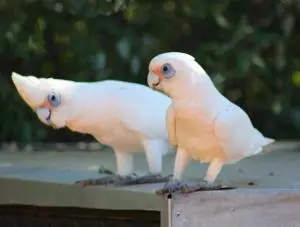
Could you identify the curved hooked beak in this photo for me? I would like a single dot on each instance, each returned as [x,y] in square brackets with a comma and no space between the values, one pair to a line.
[153,80]
[44,113]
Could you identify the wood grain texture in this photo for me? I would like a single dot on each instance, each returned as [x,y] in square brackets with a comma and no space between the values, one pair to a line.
[238,208]
[20,215]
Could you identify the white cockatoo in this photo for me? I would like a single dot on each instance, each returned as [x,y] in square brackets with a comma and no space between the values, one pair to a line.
[201,122]
[128,117]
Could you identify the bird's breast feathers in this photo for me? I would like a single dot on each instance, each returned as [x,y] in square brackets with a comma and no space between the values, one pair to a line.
[195,133]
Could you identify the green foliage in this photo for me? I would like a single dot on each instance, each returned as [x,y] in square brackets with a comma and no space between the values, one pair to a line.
[250,49]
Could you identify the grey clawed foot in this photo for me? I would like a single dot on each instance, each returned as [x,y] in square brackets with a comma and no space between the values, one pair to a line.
[175,186]
[147,179]
[113,179]
[125,180]
[171,187]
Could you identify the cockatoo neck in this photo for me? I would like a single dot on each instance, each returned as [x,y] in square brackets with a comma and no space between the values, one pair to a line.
[192,86]
[201,93]
[82,111]
[78,108]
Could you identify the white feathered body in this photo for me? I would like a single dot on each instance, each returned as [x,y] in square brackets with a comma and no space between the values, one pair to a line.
[223,131]
[203,123]
[119,114]
[128,117]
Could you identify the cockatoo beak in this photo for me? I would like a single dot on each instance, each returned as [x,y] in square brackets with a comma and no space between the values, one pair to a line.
[29,88]
[153,80]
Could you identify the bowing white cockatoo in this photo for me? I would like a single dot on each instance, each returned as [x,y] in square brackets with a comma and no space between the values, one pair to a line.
[128,117]
[201,122]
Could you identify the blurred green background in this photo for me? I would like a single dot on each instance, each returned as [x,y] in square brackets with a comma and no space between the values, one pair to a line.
[250,48]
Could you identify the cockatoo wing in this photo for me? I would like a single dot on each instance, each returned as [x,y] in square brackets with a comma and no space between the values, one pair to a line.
[236,133]
[171,126]
[146,111]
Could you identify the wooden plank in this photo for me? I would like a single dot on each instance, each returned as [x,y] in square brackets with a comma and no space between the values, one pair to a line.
[29,192]
[20,215]
[29,185]
[47,179]
[79,213]
[237,208]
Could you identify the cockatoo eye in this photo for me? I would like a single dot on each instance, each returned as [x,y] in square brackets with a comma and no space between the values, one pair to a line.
[167,70]
[54,99]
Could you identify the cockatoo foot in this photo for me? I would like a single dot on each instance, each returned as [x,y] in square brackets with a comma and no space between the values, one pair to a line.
[171,187]
[147,179]
[175,186]
[113,179]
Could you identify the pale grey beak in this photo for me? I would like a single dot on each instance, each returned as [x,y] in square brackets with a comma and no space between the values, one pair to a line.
[152,80]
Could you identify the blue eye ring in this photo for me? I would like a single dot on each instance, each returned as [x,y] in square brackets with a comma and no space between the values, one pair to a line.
[167,70]
[54,99]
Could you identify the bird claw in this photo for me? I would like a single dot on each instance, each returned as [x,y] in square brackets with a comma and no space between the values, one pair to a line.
[176,186]
[104,181]
[171,187]
[124,180]
[97,181]
[147,179]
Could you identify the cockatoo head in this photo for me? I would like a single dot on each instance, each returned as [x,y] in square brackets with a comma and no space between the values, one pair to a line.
[173,70]
[48,97]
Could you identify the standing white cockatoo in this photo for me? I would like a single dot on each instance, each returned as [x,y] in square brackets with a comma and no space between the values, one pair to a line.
[201,122]
[126,116]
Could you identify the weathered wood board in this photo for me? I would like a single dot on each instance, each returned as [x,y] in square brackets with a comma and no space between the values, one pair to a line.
[238,208]
[268,191]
